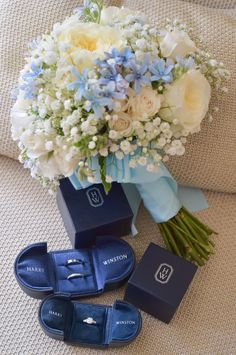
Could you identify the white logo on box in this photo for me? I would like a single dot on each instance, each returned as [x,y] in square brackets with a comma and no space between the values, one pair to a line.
[115,259]
[163,273]
[95,197]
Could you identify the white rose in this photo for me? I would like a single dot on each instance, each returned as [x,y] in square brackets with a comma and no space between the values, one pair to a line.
[20,119]
[122,124]
[176,43]
[188,100]
[56,165]
[47,167]
[112,14]
[66,166]
[144,105]
[34,143]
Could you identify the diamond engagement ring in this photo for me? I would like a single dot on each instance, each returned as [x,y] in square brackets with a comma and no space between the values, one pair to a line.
[89,320]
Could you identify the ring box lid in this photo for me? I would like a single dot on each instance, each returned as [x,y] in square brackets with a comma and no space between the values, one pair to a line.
[89,324]
[160,282]
[90,212]
[105,266]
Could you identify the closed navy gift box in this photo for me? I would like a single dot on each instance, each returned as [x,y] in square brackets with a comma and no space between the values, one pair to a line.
[159,282]
[89,324]
[84,272]
[89,213]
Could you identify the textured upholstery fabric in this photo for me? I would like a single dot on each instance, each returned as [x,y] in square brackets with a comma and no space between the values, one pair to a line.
[219,4]
[210,161]
[205,322]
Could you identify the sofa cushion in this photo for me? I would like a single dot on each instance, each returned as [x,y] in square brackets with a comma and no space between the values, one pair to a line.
[210,159]
[204,323]
[219,4]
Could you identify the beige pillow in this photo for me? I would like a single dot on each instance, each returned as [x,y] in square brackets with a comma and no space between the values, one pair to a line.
[210,161]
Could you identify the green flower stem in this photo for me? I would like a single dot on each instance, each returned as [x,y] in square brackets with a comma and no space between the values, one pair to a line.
[196,236]
[171,240]
[202,253]
[165,239]
[188,237]
[190,250]
[201,233]
[208,230]
[175,227]
[212,243]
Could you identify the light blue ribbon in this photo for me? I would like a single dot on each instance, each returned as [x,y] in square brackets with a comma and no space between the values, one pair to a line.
[158,190]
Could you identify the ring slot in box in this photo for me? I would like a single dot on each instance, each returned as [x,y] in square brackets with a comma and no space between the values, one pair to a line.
[89,213]
[89,324]
[79,273]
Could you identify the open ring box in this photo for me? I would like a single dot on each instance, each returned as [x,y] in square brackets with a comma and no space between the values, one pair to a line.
[89,324]
[83,272]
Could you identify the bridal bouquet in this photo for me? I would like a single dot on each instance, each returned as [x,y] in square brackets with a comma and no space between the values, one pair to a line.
[108,96]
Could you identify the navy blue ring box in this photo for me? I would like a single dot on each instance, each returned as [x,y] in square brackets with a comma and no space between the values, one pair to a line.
[89,324]
[77,272]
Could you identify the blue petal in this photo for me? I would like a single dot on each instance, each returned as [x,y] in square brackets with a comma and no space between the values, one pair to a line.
[130,77]
[155,78]
[146,80]
[97,111]
[137,86]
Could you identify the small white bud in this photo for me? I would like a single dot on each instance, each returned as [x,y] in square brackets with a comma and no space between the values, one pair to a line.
[92,145]
[49,146]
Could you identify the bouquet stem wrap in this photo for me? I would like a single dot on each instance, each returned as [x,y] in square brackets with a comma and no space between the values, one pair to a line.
[183,234]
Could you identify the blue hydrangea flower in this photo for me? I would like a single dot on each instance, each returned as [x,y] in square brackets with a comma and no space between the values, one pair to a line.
[120,58]
[96,102]
[108,74]
[101,63]
[80,84]
[187,63]
[29,89]
[137,75]
[29,86]
[112,75]
[121,85]
[88,5]
[34,72]
[161,70]
[109,91]
[14,93]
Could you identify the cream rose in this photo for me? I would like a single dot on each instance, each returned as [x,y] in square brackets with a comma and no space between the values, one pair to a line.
[85,42]
[187,100]
[144,105]
[122,124]
[176,43]
[113,14]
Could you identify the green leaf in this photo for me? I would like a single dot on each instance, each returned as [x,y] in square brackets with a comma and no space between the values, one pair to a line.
[102,164]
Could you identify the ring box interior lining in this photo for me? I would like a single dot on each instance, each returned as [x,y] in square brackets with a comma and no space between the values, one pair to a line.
[63,319]
[105,266]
